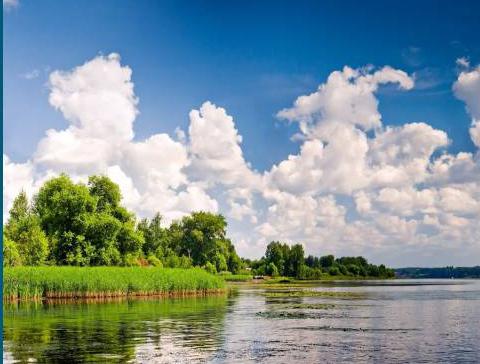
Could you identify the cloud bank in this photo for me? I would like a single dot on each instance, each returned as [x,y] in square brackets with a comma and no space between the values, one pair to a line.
[356,186]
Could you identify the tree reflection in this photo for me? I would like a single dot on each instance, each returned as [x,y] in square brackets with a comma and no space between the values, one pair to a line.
[113,331]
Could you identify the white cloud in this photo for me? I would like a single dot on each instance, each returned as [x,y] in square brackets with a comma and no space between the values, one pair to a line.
[347,97]
[463,62]
[98,101]
[355,186]
[467,89]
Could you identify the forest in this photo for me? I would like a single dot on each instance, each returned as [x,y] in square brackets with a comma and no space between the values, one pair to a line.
[77,224]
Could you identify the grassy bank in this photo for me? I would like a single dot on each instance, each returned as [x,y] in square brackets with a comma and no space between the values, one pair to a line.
[23,283]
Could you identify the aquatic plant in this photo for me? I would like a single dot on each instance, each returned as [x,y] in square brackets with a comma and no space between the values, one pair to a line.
[90,282]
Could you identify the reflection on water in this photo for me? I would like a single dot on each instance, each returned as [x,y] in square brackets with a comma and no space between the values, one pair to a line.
[151,330]
[383,322]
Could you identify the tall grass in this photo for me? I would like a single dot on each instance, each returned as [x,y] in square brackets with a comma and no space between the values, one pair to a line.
[237,277]
[96,282]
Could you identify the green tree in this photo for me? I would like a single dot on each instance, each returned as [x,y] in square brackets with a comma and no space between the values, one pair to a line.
[105,191]
[275,254]
[220,262]
[200,236]
[24,230]
[11,256]
[156,237]
[327,261]
[296,259]
[272,269]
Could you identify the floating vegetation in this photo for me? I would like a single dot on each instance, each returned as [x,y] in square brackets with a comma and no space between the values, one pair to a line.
[283,315]
[354,329]
[310,306]
[299,314]
[311,293]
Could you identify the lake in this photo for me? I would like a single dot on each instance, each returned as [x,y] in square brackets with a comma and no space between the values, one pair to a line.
[400,321]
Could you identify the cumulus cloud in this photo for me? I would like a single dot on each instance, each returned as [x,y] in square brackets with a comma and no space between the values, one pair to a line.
[98,101]
[356,186]
[467,89]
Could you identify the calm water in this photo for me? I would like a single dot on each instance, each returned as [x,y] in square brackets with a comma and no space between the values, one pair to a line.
[381,322]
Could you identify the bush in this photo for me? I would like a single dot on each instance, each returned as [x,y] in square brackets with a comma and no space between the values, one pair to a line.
[272,269]
[334,271]
[343,269]
[210,268]
[130,260]
[153,260]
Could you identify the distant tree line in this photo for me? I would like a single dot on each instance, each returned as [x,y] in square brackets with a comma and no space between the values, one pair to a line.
[80,224]
[443,272]
[283,260]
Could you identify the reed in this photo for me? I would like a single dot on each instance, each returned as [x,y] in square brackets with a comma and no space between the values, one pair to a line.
[237,278]
[26,283]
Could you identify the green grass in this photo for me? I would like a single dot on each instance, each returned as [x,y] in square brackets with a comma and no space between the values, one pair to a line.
[96,282]
[237,278]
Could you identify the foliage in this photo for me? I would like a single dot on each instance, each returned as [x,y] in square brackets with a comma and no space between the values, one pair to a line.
[11,256]
[210,268]
[282,259]
[25,235]
[272,269]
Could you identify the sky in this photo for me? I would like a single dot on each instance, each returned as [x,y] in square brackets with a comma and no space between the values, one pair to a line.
[352,130]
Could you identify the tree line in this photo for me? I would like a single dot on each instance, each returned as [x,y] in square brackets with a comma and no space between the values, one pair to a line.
[81,224]
[440,272]
[280,259]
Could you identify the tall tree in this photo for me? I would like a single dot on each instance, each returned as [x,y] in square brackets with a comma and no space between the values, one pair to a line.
[25,233]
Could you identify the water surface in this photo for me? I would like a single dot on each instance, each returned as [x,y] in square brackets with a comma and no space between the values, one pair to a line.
[402,321]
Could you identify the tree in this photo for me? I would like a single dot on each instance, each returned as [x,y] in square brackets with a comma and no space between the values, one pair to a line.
[327,261]
[200,236]
[11,256]
[312,262]
[220,262]
[333,271]
[61,205]
[86,224]
[296,259]
[272,269]
[234,262]
[275,254]
[24,231]
[106,192]
[156,237]
[20,207]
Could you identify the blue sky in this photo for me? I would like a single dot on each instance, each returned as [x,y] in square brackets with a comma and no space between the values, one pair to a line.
[378,161]
[253,58]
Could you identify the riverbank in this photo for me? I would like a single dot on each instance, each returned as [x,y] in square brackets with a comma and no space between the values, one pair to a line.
[36,283]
